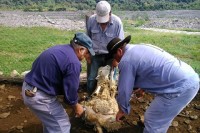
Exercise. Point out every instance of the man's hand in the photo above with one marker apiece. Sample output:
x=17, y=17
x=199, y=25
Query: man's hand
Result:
x=119, y=115
x=114, y=63
x=78, y=109
x=138, y=93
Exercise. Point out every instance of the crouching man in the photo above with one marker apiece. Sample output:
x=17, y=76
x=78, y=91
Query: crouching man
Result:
x=56, y=72
x=173, y=82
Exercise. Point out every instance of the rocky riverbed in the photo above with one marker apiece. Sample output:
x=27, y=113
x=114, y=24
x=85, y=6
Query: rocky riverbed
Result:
x=60, y=20
x=75, y=20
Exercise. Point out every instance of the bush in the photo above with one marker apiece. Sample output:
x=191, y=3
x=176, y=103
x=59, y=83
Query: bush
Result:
x=61, y=9
x=40, y=9
x=50, y=9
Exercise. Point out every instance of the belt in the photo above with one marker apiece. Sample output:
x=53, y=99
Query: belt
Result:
x=98, y=54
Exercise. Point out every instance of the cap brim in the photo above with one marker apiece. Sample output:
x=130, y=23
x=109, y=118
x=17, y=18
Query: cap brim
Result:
x=123, y=42
x=126, y=40
x=91, y=52
x=103, y=19
x=118, y=45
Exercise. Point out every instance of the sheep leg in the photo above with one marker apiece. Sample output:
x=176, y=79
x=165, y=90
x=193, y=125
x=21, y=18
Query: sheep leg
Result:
x=96, y=92
x=99, y=129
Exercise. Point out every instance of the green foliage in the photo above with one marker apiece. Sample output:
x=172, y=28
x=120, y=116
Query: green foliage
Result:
x=90, y=4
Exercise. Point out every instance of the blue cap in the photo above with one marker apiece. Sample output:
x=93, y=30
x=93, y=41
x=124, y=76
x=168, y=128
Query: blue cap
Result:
x=85, y=41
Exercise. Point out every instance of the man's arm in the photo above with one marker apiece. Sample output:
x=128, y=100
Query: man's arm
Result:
x=88, y=24
x=125, y=85
x=70, y=85
x=120, y=30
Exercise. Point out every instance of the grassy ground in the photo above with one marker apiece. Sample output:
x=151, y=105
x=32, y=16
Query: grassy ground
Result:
x=20, y=46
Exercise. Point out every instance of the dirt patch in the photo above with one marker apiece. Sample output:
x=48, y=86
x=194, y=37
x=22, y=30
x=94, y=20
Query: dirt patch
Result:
x=20, y=119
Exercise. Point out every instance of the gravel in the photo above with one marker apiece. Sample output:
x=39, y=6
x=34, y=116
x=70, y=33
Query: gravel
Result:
x=75, y=20
x=169, y=19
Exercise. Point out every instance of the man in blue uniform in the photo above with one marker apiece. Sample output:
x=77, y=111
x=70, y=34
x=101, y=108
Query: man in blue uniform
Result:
x=56, y=72
x=101, y=27
x=145, y=66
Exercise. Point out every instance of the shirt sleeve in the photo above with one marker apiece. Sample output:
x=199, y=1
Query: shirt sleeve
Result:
x=88, y=23
x=71, y=83
x=121, y=31
x=125, y=85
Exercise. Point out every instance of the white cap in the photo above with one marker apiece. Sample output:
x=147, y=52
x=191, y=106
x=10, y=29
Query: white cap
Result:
x=102, y=10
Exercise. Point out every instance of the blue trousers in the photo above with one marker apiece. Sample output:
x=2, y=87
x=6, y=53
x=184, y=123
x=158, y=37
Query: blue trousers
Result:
x=165, y=107
x=49, y=110
x=97, y=61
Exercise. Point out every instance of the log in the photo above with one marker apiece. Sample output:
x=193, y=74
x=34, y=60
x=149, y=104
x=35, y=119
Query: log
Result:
x=19, y=80
x=11, y=80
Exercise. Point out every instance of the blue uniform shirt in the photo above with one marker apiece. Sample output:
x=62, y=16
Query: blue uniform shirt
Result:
x=102, y=38
x=56, y=72
x=152, y=69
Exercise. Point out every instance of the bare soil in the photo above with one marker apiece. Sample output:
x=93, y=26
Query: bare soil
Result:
x=22, y=120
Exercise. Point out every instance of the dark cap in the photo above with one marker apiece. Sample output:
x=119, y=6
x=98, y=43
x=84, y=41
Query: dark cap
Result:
x=116, y=43
x=84, y=40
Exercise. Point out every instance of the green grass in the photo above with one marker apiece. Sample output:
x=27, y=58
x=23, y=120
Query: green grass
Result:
x=19, y=47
